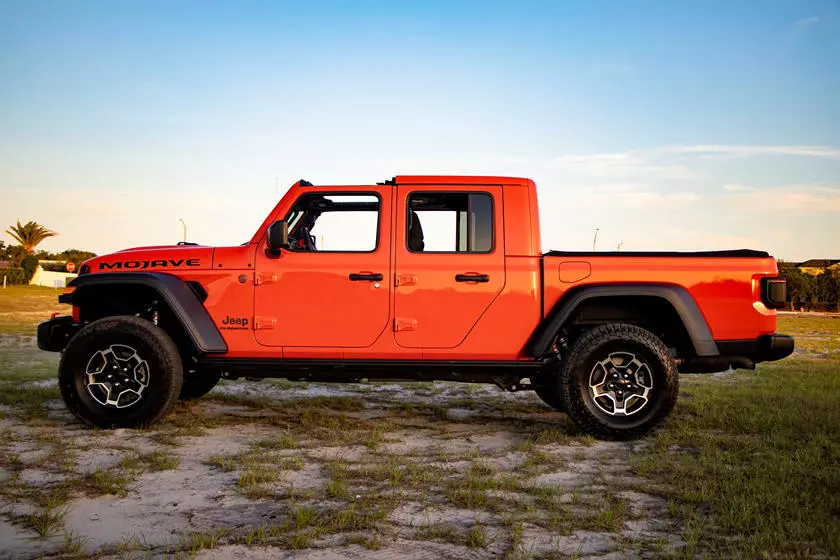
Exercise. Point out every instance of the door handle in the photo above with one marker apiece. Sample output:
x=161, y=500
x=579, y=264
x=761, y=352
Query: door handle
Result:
x=366, y=277
x=472, y=277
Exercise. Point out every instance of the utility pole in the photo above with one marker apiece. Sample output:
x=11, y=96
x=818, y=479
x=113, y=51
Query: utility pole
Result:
x=183, y=223
x=595, y=240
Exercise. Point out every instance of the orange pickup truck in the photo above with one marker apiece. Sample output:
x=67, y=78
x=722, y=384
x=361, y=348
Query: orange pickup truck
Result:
x=418, y=277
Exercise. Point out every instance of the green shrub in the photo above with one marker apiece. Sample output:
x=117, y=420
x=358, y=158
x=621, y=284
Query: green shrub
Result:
x=14, y=276
x=54, y=267
x=29, y=264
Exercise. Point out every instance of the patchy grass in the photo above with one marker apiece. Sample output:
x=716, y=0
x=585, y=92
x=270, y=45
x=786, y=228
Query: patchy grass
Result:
x=438, y=532
x=45, y=522
x=758, y=453
x=370, y=543
x=476, y=537
x=748, y=464
x=107, y=481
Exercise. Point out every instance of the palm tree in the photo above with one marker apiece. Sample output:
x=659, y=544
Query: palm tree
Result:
x=29, y=235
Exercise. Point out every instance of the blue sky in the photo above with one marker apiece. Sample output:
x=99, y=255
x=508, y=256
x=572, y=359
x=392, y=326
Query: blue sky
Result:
x=672, y=125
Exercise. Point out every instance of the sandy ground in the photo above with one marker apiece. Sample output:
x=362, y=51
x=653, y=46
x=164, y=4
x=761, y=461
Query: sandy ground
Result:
x=317, y=471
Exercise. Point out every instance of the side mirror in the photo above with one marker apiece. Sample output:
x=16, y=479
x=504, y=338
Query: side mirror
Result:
x=278, y=237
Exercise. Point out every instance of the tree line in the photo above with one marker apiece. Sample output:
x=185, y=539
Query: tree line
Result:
x=810, y=292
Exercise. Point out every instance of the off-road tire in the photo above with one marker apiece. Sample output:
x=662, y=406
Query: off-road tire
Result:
x=198, y=383
x=550, y=395
x=151, y=343
x=596, y=345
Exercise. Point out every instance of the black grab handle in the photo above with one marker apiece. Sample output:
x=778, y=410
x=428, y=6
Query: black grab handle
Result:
x=366, y=277
x=472, y=277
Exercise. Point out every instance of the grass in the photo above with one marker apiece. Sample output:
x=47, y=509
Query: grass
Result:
x=23, y=307
x=759, y=453
x=474, y=537
x=749, y=463
x=108, y=481
x=370, y=543
x=45, y=522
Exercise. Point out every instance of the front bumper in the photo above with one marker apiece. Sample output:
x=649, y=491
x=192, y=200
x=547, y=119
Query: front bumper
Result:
x=55, y=333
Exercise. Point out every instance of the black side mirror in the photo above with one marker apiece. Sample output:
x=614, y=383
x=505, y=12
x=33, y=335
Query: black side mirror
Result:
x=278, y=237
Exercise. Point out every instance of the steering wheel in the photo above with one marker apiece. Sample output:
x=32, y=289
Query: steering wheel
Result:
x=303, y=240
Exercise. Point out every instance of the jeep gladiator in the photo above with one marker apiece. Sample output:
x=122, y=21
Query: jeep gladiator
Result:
x=422, y=278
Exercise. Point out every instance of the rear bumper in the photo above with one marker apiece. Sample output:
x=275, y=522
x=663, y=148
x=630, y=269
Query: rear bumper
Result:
x=54, y=334
x=741, y=354
x=765, y=348
x=774, y=347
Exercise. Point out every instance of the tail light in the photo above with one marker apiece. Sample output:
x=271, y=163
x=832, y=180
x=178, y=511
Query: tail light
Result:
x=774, y=292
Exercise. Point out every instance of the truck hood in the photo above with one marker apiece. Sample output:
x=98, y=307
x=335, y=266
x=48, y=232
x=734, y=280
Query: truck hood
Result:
x=162, y=258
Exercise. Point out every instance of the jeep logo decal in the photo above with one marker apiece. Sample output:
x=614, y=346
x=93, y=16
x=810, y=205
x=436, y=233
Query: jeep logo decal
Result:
x=150, y=264
x=235, y=323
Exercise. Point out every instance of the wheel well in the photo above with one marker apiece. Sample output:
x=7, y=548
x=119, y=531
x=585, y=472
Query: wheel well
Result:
x=649, y=312
x=97, y=302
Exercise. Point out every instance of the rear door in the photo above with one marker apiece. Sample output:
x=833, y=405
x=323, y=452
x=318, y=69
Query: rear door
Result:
x=449, y=262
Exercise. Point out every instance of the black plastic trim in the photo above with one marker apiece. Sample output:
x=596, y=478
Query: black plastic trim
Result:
x=505, y=374
x=55, y=333
x=677, y=296
x=731, y=254
x=765, y=348
x=175, y=292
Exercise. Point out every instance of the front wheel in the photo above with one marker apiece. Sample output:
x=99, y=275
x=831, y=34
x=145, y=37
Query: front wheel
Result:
x=120, y=372
x=618, y=381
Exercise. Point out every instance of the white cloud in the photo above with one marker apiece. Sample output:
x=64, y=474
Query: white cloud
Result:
x=752, y=150
x=643, y=199
x=805, y=23
x=735, y=187
x=631, y=164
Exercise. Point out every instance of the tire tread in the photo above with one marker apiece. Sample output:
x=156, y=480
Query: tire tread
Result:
x=574, y=364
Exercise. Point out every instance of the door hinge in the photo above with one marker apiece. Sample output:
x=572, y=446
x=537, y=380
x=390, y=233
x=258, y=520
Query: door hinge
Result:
x=263, y=278
x=405, y=325
x=404, y=279
x=264, y=323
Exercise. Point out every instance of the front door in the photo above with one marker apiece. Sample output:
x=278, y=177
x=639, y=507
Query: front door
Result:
x=450, y=262
x=331, y=288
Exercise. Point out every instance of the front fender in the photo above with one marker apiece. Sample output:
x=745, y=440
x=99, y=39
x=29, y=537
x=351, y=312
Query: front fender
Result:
x=177, y=295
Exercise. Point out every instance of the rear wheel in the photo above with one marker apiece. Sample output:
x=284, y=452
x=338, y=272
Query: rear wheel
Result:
x=120, y=372
x=618, y=381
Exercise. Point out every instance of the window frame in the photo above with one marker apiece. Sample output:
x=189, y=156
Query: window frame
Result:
x=344, y=193
x=457, y=225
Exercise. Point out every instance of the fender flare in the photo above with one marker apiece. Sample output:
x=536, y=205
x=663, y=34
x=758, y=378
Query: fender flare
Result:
x=677, y=296
x=183, y=302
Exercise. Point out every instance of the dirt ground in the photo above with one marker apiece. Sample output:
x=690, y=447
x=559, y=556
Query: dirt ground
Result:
x=296, y=470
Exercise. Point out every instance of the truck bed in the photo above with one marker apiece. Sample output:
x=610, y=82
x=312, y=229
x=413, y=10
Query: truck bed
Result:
x=724, y=284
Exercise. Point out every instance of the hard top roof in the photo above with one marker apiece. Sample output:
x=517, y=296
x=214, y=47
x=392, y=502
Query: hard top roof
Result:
x=457, y=180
